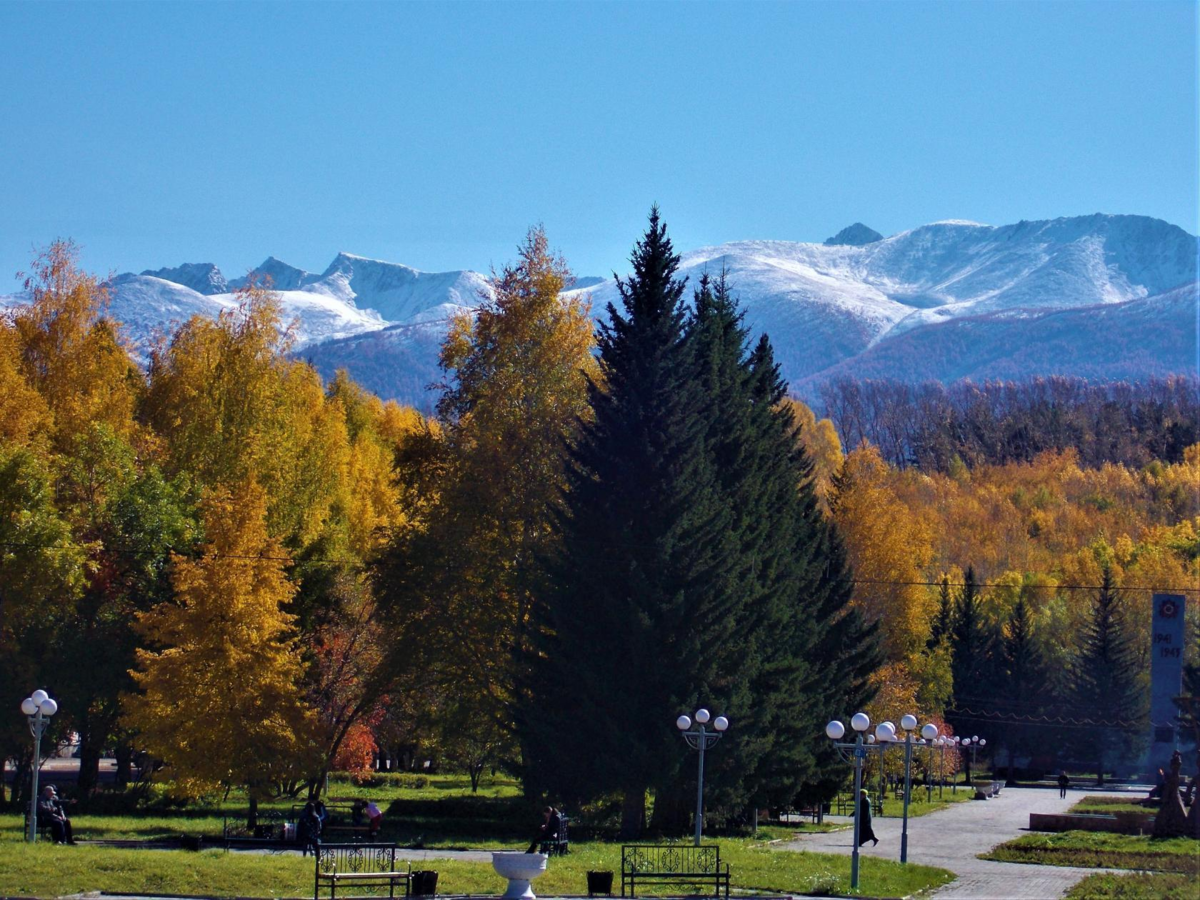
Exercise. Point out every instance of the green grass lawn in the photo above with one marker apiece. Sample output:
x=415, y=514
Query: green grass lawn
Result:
x=894, y=809
x=1110, y=804
x=1135, y=886
x=436, y=812
x=47, y=870
x=1102, y=850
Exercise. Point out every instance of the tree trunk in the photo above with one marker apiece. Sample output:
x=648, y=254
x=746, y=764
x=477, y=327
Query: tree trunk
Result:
x=124, y=754
x=21, y=783
x=672, y=811
x=633, y=813
x=89, y=763
x=252, y=816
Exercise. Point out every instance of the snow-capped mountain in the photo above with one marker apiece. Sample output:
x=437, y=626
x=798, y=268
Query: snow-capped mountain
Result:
x=942, y=301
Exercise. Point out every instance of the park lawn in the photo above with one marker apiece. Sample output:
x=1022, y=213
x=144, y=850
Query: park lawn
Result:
x=894, y=809
x=1107, y=805
x=48, y=870
x=1135, y=886
x=1101, y=850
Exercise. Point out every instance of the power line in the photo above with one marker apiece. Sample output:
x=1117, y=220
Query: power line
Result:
x=121, y=551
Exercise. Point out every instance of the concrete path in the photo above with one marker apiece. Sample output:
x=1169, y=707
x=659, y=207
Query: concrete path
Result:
x=952, y=838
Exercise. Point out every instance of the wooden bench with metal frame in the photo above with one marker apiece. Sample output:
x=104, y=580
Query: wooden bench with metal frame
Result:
x=673, y=864
x=365, y=866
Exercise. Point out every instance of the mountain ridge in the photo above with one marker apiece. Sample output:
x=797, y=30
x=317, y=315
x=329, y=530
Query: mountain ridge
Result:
x=831, y=309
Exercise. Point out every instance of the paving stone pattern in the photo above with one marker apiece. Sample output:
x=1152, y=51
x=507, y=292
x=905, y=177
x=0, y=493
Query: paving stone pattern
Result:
x=951, y=839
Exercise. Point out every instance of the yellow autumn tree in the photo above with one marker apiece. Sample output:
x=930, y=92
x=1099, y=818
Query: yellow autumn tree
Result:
x=220, y=682
x=889, y=549
x=24, y=415
x=71, y=352
x=821, y=442
x=231, y=405
x=517, y=376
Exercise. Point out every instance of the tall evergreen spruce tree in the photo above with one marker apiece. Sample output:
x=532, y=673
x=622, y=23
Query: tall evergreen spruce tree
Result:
x=790, y=576
x=638, y=605
x=1107, y=689
x=1024, y=681
x=696, y=568
x=943, y=621
x=971, y=648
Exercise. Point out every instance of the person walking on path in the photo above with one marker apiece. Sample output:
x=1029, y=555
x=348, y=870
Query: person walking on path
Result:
x=865, y=832
x=1063, y=783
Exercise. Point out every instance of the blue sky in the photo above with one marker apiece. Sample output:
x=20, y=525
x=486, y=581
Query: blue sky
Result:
x=434, y=135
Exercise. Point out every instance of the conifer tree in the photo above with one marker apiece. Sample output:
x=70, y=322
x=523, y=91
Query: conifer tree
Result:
x=939, y=630
x=972, y=649
x=1024, y=680
x=820, y=639
x=637, y=602
x=788, y=584
x=1107, y=689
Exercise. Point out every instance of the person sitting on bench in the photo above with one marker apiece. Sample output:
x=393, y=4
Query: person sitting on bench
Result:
x=50, y=811
x=549, y=830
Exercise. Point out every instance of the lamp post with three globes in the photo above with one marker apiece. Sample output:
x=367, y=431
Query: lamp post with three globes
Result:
x=701, y=739
x=884, y=736
x=38, y=708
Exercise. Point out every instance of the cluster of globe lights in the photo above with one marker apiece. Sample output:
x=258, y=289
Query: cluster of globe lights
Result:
x=885, y=732
x=39, y=701
x=683, y=723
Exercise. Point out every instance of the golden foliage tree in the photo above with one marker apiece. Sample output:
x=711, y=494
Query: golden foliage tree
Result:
x=517, y=375
x=24, y=415
x=889, y=548
x=71, y=352
x=824, y=447
x=220, y=699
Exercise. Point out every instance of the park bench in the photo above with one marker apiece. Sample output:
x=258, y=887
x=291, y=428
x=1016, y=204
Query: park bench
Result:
x=339, y=821
x=367, y=867
x=561, y=845
x=846, y=805
x=673, y=864
x=43, y=826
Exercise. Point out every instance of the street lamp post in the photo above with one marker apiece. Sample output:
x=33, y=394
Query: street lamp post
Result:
x=974, y=742
x=38, y=708
x=940, y=743
x=928, y=733
x=954, y=785
x=857, y=751
x=701, y=739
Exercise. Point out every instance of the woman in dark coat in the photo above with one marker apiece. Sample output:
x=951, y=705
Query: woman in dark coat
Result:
x=308, y=830
x=865, y=833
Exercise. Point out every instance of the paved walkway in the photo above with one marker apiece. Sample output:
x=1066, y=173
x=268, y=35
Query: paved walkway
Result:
x=951, y=839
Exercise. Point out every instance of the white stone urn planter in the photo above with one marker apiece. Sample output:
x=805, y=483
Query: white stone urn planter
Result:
x=520, y=869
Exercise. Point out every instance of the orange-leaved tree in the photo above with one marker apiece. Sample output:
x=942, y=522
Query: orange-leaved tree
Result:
x=221, y=697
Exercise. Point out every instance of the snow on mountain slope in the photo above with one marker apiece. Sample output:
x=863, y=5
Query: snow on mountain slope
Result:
x=822, y=304
x=205, y=278
x=397, y=292
x=283, y=277
x=944, y=300
x=398, y=362
x=805, y=296
x=148, y=306
x=1129, y=340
